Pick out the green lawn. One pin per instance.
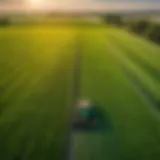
(140, 57)
(36, 90)
(103, 80)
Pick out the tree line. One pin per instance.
(4, 21)
(144, 27)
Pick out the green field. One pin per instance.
(119, 71)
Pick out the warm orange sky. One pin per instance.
(79, 4)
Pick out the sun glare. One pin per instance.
(36, 3)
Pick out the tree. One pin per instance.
(142, 26)
(139, 26)
(113, 19)
(4, 21)
(154, 34)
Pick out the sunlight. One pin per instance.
(36, 3)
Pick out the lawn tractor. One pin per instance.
(91, 136)
(86, 116)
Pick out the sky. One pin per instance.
(79, 4)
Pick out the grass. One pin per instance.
(36, 87)
(103, 80)
(133, 49)
(36, 90)
(142, 58)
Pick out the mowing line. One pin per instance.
(76, 82)
(149, 67)
(142, 92)
(139, 87)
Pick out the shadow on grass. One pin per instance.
(101, 143)
(2, 107)
(109, 144)
(18, 158)
(3, 104)
(158, 104)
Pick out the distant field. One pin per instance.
(119, 71)
(155, 19)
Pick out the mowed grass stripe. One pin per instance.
(127, 64)
(144, 71)
(142, 82)
(13, 86)
(35, 125)
(136, 56)
(136, 128)
(140, 47)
